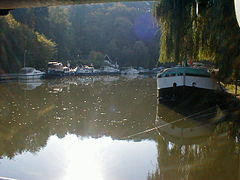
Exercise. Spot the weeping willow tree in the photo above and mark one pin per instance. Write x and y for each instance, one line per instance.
(209, 32)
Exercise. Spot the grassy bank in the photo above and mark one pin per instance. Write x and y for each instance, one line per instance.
(231, 89)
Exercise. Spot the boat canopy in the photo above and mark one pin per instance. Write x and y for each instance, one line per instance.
(179, 71)
(26, 70)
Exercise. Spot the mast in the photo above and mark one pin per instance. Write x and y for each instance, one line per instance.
(24, 58)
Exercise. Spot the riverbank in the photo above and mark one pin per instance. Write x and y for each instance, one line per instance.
(231, 89)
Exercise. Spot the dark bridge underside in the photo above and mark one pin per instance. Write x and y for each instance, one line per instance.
(6, 5)
(13, 4)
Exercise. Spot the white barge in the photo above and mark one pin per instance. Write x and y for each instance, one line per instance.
(172, 82)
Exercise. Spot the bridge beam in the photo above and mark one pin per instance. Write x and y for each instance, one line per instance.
(13, 4)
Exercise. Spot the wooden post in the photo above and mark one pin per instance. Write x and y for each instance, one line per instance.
(236, 78)
(236, 86)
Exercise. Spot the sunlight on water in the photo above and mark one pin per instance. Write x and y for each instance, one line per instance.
(84, 158)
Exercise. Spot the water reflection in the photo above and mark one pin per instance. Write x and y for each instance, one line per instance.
(197, 147)
(67, 128)
(30, 84)
(84, 158)
(183, 130)
(59, 107)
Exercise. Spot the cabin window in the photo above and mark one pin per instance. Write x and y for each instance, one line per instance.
(199, 75)
(29, 70)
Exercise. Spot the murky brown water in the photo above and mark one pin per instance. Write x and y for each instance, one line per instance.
(96, 128)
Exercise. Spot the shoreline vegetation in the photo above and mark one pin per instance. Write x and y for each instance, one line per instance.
(209, 32)
(79, 35)
(231, 88)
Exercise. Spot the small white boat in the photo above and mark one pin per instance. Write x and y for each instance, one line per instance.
(157, 70)
(30, 73)
(85, 70)
(109, 67)
(143, 71)
(66, 70)
(183, 80)
(69, 71)
(110, 70)
(130, 71)
(97, 71)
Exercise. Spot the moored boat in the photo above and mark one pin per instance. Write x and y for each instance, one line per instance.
(130, 71)
(55, 69)
(69, 71)
(85, 70)
(141, 70)
(177, 81)
(110, 70)
(30, 73)
(157, 70)
(97, 71)
(109, 67)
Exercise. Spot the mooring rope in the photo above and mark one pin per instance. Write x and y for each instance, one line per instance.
(178, 120)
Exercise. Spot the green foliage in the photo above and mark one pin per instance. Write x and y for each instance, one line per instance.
(60, 30)
(78, 31)
(140, 52)
(15, 39)
(96, 58)
(212, 35)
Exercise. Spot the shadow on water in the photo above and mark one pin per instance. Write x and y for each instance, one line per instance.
(198, 139)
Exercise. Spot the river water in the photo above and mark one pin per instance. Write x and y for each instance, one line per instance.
(112, 128)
